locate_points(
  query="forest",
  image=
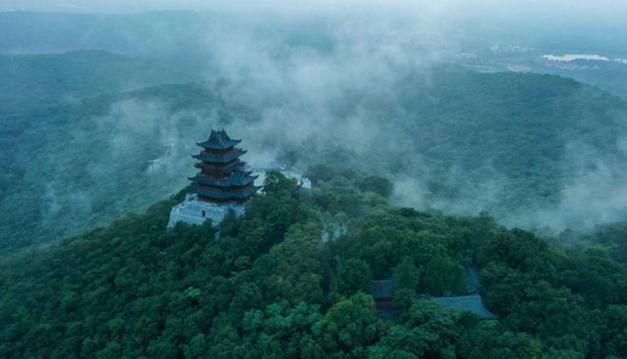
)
(520, 146)
(270, 286)
(456, 151)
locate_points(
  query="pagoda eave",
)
(209, 158)
(225, 196)
(227, 182)
(219, 146)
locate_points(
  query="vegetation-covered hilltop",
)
(421, 170)
(269, 286)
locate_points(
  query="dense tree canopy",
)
(271, 287)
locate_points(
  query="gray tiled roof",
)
(211, 158)
(224, 195)
(219, 140)
(382, 289)
(237, 179)
(472, 280)
(470, 303)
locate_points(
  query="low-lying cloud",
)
(322, 87)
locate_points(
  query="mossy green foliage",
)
(269, 287)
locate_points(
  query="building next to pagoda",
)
(382, 291)
(222, 184)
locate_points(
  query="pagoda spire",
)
(222, 177)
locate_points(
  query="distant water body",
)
(583, 57)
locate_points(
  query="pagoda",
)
(223, 183)
(222, 177)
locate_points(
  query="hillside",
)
(39, 81)
(441, 180)
(60, 153)
(527, 148)
(270, 287)
(526, 137)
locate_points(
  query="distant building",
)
(383, 291)
(469, 303)
(223, 183)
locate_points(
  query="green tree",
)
(353, 276)
(349, 326)
(490, 340)
(441, 275)
(293, 270)
(428, 331)
(406, 274)
(376, 184)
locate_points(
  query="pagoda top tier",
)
(219, 140)
(214, 158)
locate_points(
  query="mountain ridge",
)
(500, 146)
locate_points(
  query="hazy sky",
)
(589, 8)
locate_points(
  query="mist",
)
(299, 95)
(429, 169)
(355, 85)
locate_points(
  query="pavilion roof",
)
(382, 289)
(212, 158)
(219, 140)
(469, 303)
(238, 178)
(226, 195)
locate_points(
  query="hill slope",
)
(72, 166)
(513, 144)
(43, 80)
(271, 286)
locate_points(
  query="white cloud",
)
(575, 57)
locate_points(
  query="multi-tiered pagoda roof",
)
(222, 177)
